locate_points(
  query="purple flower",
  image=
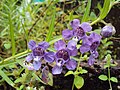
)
(38, 54)
(91, 43)
(79, 30)
(63, 56)
(107, 31)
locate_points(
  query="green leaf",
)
(103, 77)
(38, 78)
(87, 10)
(83, 71)
(105, 9)
(114, 79)
(108, 59)
(50, 82)
(6, 78)
(78, 82)
(69, 72)
(106, 66)
(18, 80)
(7, 45)
(55, 39)
(93, 16)
(51, 28)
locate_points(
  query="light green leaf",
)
(69, 72)
(7, 45)
(103, 77)
(50, 82)
(6, 78)
(108, 59)
(105, 9)
(83, 71)
(87, 10)
(78, 82)
(114, 79)
(18, 80)
(51, 28)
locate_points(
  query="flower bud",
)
(108, 31)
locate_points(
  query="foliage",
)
(24, 20)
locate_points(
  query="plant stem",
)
(73, 85)
(97, 20)
(109, 78)
(15, 56)
(79, 62)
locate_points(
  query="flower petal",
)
(84, 48)
(57, 70)
(36, 65)
(31, 44)
(71, 45)
(59, 45)
(91, 60)
(71, 64)
(49, 57)
(43, 45)
(94, 53)
(29, 58)
(73, 52)
(30, 67)
(86, 27)
(67, 34)
(95, 37)
(75, 23)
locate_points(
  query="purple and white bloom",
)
(63, 56)
(91, 43)
(78, 30)
(108, 31)
(38, 53)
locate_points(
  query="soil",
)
(91, 79)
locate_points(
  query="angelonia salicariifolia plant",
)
(64, 52)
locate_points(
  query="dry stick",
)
(39, 18)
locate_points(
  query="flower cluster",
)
(65, 51)
(89, 43)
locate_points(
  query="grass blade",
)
(51, 28)
(105, 9)
(12, 34)
(87, 11)
(6, 78)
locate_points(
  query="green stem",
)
(15, 56)
(73, 85)
(79, 62)
(12, 35)
(97, 20)
(109, 78)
